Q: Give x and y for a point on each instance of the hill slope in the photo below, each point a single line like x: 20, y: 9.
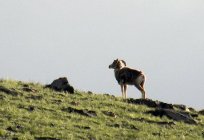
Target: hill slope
x: 30, y: 111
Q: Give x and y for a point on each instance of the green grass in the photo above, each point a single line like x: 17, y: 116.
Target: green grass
x: 31, y: 115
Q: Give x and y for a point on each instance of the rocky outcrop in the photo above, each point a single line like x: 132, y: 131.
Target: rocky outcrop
x: 174, y: 115
x: 174, y: 112
x: 150, y: 103
x: 61, y: 84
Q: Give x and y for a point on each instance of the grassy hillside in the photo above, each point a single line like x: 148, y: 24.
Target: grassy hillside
x: 30, y: 111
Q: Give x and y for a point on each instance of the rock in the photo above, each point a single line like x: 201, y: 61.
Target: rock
x: 31, y: 108
x: 150, y: 103
x: 83, y: 127
x: 201, y: 112
x: 108, y: 113
x: 147, y: 102
x: 165, y: 105
x: 175, y: 115
x: 87, y: 113
x: 181, y: 107
x: 8, y: 91
x: 174, y: 112
x: 61, y: 84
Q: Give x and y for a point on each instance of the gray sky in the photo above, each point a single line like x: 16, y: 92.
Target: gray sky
x: 41, y: 40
